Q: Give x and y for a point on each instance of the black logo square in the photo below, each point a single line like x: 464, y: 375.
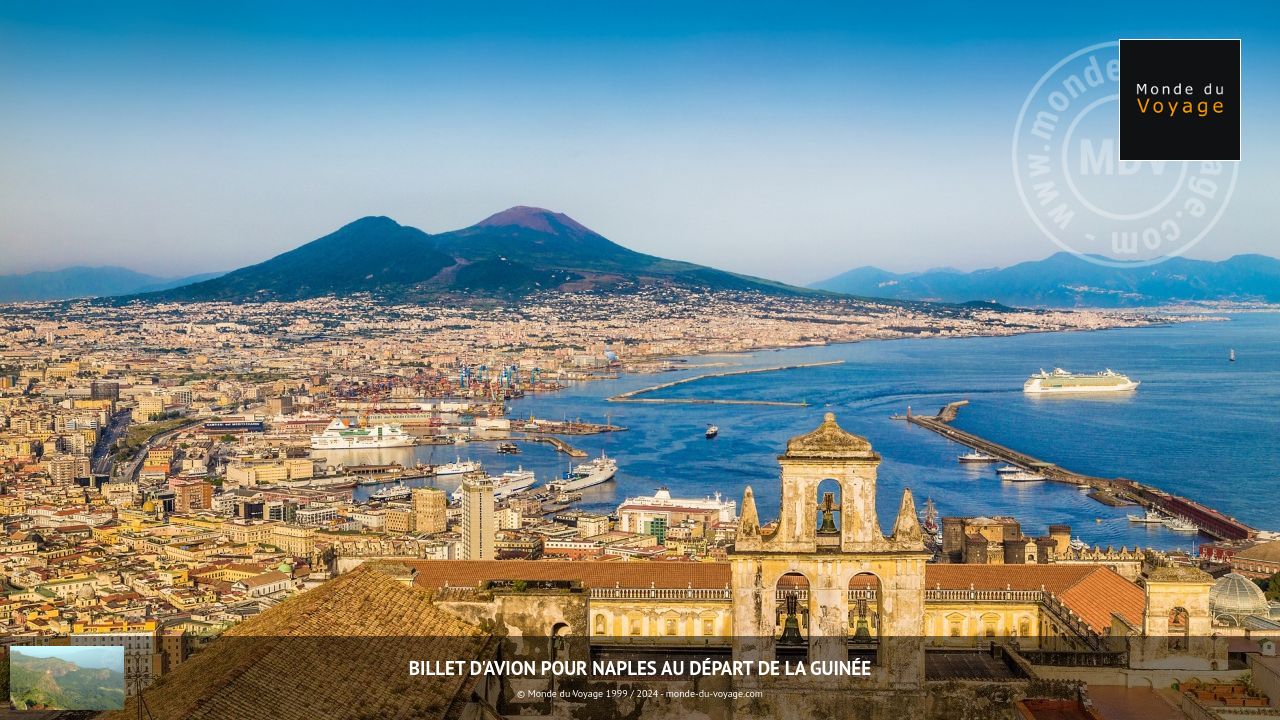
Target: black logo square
x: 1179, y: 99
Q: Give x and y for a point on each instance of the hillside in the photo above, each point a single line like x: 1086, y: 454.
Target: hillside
x: 511, y: 253
x: 55, y: 684
x: 1066, y: 280
x: 78, y: 282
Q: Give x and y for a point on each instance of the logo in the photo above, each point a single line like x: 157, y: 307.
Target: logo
x: 1082, y: 196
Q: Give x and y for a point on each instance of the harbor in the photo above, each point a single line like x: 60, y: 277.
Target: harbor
x: 1110, y: 491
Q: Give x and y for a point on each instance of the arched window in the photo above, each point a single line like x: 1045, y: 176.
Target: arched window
x: 600, y: 624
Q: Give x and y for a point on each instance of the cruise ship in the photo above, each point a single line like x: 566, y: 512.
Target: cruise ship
x: 1061, y: 381
x: 588, y: 474
x: 506, y: 484
x: 341, y: 435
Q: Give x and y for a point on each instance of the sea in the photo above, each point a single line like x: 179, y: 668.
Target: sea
x: 1199, y: 425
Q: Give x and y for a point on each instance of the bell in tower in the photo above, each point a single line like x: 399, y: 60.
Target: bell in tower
x: 828, y: 526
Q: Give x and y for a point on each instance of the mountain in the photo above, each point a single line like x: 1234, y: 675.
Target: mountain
x: 80, y: 281
x: 511, y: 253
x: 1067, y: 280
x: 50, y: 683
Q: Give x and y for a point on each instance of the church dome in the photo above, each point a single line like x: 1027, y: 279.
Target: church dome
x: 830, y: 442
x: 1235, y: 597
x: 148, y: 507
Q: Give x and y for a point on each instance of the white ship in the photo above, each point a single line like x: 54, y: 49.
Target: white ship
x: 1022, y: 476
x: 1150, y: 517
x: 341, y: 435
x: 1061, y: 381
x: 1007, y: 469
x: 457, y: 467
x: 1180, y: 525
x: 588, y: 474
x: 977, y: 457
x: 506, y: 484
x: 399, y: 491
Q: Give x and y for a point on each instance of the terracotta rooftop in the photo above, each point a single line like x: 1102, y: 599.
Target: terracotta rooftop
x: 1091, y: 591
x: 1262, y: 552
x: 338, y: 651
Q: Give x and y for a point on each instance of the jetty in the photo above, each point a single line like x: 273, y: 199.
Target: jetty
x: 559, y: 445
x: 1109, y: 491
x: 634, y: 395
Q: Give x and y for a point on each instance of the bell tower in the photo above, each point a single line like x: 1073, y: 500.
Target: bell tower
x: 861, y: 592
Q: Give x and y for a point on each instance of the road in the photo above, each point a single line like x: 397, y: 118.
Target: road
x: 100, y: 460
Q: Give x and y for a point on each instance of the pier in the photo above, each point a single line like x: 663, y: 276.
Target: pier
x: 634, y: 395
x: 559, y: 445
x: 1109, y: 491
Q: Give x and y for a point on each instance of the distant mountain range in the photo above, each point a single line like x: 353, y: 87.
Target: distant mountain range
x: 78, y: 282
x: 512, y: 253
x: 1066, y: 280
x: 50, y: 683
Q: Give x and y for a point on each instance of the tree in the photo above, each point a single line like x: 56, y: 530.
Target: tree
x: 1272, y: 587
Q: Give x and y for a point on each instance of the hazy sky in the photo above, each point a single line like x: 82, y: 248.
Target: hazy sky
x: 787, y: 140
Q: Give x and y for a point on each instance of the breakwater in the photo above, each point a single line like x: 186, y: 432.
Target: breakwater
x: 634, y: 395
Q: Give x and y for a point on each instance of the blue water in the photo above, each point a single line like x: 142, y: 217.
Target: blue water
x: 1198, y: 425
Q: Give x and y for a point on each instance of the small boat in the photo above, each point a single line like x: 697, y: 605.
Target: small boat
x: 712, y: 431
x: 1231, y: 357
x: 1180, y: 525
x: 1150, y: 516
x: 1022, y: 476
x: 509, y: 449
x: 977, y: 457
x: 1008, y: 469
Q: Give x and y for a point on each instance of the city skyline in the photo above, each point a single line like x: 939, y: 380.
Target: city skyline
x: 175, y: 142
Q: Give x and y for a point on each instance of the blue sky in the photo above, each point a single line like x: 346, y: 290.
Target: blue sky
x: 110, y: 657
x: 792, y: 141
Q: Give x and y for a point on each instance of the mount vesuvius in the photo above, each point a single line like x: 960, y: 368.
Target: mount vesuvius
x: 515, y: 252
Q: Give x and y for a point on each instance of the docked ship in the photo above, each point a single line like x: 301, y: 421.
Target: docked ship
x: 588, y: 474
x: 1150, y: 517
x: 1062, y: 381
x: 342, y: 435
x: 506, y: 484
x: 457, y: 467
x: 399, y: 491
x: 1022, y: 476
x: 977, y: 457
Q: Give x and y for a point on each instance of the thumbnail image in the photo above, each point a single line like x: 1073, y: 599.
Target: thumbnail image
x: 59, y: 677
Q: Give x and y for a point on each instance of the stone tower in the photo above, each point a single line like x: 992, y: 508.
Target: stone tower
x: 849, y: 576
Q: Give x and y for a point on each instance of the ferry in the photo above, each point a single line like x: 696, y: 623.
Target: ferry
x: 1079, y: 545
x: 977, y: 457
x: 457, y: 467
x: 506, y: 484
x: 399, y: 491
x: 588, y: 474
x: 1062, y: 381
x: 1151, y: 517
x: 1022, y: 476
x: 712, y: 431
x: 340, y: 435
x: 508, y: 448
